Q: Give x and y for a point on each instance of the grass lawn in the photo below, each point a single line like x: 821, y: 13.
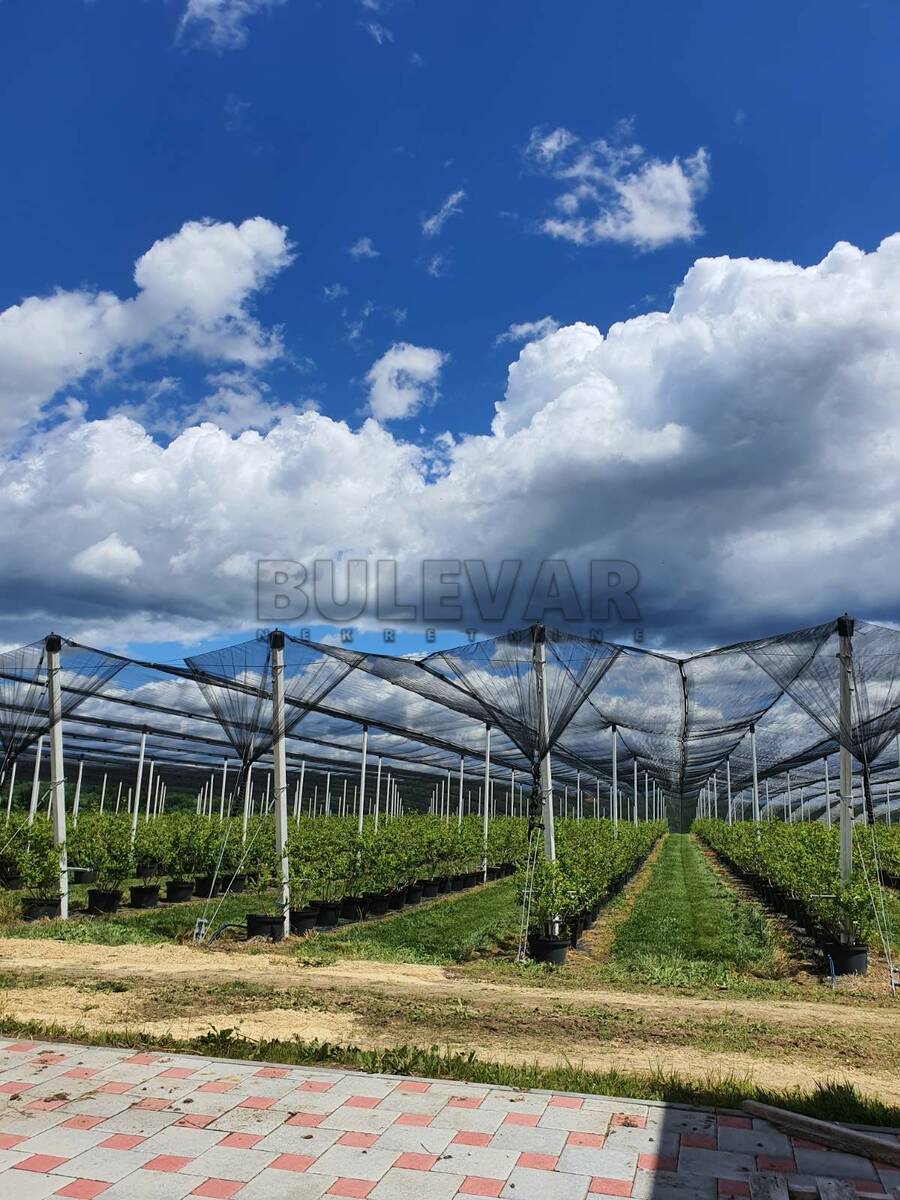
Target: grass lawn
x: 452, y: 930
x: 688, y: 928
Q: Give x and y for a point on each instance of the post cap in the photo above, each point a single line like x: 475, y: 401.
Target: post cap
x: 276, y: 639
x: 845, y: 626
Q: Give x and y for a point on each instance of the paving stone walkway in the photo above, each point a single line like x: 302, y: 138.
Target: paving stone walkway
x: 81, y: 1122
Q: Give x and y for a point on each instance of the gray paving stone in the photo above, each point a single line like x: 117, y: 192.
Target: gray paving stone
x: 530, y: 1137
x: 507, y: 1102
x: 589, y: 1160
x: 364, y: 1085
x: 755, y: 1141
x: 154, y: 1185
x: 644, y: 1141
x: 322, y: 1103
x: 831, y: 1162
x: 143, y: 1121
x: 250, y: 1120
x: 487, y: 1161
x: 525, y: 1184
x: 355, y: 1162
x: 400, y: 1184
x: 471, y: 1120
x: 412, y: 1102
x: 25, y: 1124
x: 10, y: 1158
x: 64, y: 1142
x: 226, y: 1162
x: 106, y: 1166
x: 297, y: 1139
x: 416, y: 1139
x: 724, y: 1163
x: 285, y: 1185
x: 210, y: 1104
x: 30, y: 1185
x: 183, y: 1140
x: 99, y: 1105
x: 359, y: 1120
x: 671, y: 1185
x: 574, y: 1120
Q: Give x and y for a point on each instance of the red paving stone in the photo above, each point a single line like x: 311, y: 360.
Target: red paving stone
x: 732, y: 1187
x: 609, y: 1187
x: 42, y: 1163
x: 416, y: 1162
x: 123, y: 1141
x: 414, y: 1119
x: 516, y: 1118
x: 595, y: 1140
x: 292, y: 1162
x: 477, y: 1185
x: 358, y: 1188
x: 83, y: 1189
x: 656, y: 1162
x: 537, y: 1162
x: 361, y: 1140
x: 307, y: 1120
x: 168, y: 1163
x: 81, y: 1122
x: 218, y: 1189
x: 240, y: 1141
x: 468, y: 1137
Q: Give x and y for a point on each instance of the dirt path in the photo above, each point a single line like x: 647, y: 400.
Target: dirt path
x: 173, y: 962
x: 181, y: 991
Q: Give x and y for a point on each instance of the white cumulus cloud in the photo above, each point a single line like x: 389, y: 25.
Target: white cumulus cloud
x: 221, y: 24
x: 431, y: 226
x: 741, y: 448
x: 194, y: 291
x: 402, y: 380
x: 527, y: 331
x: 363, y: 248
x: 614, y: 191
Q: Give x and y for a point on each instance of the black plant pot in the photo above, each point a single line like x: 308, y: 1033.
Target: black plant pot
x: 145, y: 896
x: 849, y: 959
x: 376, y: 905
x: 327, y: 916
x: 353, y: 908
x: 205, y: 887
x: 11, y: 881
x: 429, y: 889
x: 303, y: 920
x: 444, y: 886
x: 177, y: 893
x: 35, y: 910
x: 548, y: 949
x: 414, y: 894
x: 457, y: 883
x: 236, y: 885
x: 148, y: 870
x: 576, y: 928
x: 86, y: 877
x: 473, y: 878
x: 266, y: 926
x: 396, y: 899
x: 101, y: 901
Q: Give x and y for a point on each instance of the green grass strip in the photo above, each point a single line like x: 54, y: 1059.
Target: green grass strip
x: 829, y: 1100
x: 451, y: 930
x: 688, y: 927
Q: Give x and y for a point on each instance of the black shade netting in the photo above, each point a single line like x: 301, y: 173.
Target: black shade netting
x: 236, y: 682
x: 24, y: 712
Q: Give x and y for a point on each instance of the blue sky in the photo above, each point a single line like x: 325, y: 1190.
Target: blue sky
x: 343, y: 121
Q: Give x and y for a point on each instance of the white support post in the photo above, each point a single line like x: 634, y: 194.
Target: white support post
x: 119, y: 796
x: 615, y: 780
x: 377, y: 791
x: 136, y: 806
x: 36, y: 780
x: 103, y: 792
x: 827, y: 796
x: 755, y: 775
x: 298, y: 806
x: 222, y: 789
x: 635, y: 790
x: 76, y: 802
x: 790, y: 800
x: 486, y: 806
x: 327, y: 793
x: 362, y: 779
x: 150, y: 792
x: 728, y: 787
x: 57, y: 769
x: 247, y: 793
x: 845, y: 723
x: 462, y: 784
x: 279, y: 762
x: 546, y: 773
x: 12, y: 788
